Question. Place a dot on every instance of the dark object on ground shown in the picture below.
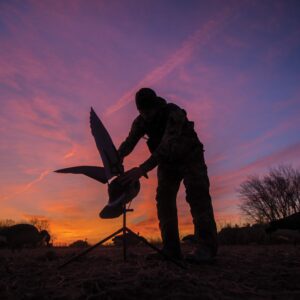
(79, 244)
(21, 235)
(131, 240)
(190, 238)
(291, 222)
(245, 235)
(256, 235)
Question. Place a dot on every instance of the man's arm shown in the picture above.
(166, 148)
(136, 133)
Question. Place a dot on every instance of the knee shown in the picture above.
(198, 196)
(166, 206)
(166, 195)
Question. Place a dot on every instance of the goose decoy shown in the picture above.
(119, 194)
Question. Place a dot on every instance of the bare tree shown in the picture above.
(274, 196)
(40, 223)
(6, 223)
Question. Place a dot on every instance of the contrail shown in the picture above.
(27, 186)
(41, 177)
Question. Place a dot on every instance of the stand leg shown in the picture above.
(90, 248)
(124, 233)
(124, 230)
(156, 249)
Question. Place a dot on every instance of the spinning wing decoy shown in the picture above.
(118, 194)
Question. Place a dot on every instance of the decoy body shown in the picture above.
(291, 222)
(112, 167)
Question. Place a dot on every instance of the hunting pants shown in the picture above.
(196, 182)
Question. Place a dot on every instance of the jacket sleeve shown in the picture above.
(137, 131)
(168, 147)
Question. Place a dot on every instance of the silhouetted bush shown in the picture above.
(131, 240)
(255, 235)
(6, 223)
(79, 244)
(246, 235)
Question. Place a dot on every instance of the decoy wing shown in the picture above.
(97, 173)
(109, 154)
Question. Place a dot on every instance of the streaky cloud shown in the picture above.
(26, 187)
(198, 39)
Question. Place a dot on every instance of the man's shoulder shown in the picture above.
(138, 119)
(172, 106)
(175, 109)
(138, 122)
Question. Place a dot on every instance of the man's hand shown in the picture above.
(132, 175)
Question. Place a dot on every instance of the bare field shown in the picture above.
(240, 272)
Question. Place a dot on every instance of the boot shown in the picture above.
(176, 255)
(171, 243)
(170, 238)
(205, 236)
(201, 255)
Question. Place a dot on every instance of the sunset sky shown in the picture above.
(234, 66)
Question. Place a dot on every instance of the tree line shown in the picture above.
(271, 197)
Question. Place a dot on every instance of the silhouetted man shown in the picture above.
(178, 153)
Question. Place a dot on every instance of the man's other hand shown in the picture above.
(132, 175)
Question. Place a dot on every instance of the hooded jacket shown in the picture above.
(171, 137)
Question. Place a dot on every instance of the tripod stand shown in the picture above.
(125, 230)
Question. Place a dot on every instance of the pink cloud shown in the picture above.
(197, 40)
(226, 183)
(282, 47)
(254, 146)
(23, 188)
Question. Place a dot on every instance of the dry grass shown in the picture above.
(240, 272)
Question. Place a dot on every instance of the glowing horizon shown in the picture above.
(234, 67)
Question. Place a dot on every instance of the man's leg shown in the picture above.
(196, 182)
(168, 185)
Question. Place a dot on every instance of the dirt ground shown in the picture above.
(240, 272)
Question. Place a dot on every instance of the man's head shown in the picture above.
(147, 103)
